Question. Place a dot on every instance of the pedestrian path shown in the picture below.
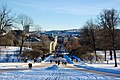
(54, 72)
(91, 71)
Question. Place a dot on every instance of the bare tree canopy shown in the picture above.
(37, 28)
(24, 20)
(89, 35)
(5, 18)
(109, 20)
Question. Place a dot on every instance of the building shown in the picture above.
(26, 28)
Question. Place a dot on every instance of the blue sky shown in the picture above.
(60, 14)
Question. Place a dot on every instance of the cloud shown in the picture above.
(55, 7)
(78, 10)
(64, 8)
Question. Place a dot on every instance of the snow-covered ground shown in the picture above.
(57, 73)
(108, 55)
(109, 68)
(12, 48)
(48, 58)
(10, 53)
(53, 73)
(13, 65)
(101, 68)
(60, 73)
(66, 58)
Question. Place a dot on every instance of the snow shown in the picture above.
(56, 72)
(68, 59)
(48, 58)
(10, 53)
(101, 66)
(54, 67)
(9, 48)
(19, 65)
(53, 73)
(12, 48)
(108, 54)
(13, 65)
(101, 69)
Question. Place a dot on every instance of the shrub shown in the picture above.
(90, 57)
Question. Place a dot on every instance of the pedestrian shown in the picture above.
(62, 63)
(58, 62)
(30, 65)
(76, 60)
(50, 61)
(35, 60)
(65, 63)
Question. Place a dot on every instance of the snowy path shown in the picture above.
(53, 73)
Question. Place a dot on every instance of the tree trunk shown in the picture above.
(21, 49)
(95, 52)
(113, 45)
(94, 46)
(111, 55)
(21, 46)
(96, 56)
(115, 58)
(105, 55)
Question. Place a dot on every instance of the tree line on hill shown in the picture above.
(100, 34)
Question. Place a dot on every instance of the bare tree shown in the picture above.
(5, 18)
(89, 35)
(45, 41)
(24, 20)
(109, 20)
(37, 28)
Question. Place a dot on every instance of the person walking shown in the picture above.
(30, 65)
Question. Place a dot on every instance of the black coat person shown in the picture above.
(30, 65)
(50, 61)
(65, 63)
(58, 62)
(35, 60)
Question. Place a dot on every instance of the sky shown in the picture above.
(60, 14)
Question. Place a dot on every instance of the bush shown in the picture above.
(90, 57)
(31, 54)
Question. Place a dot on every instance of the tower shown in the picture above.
(26, 28)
